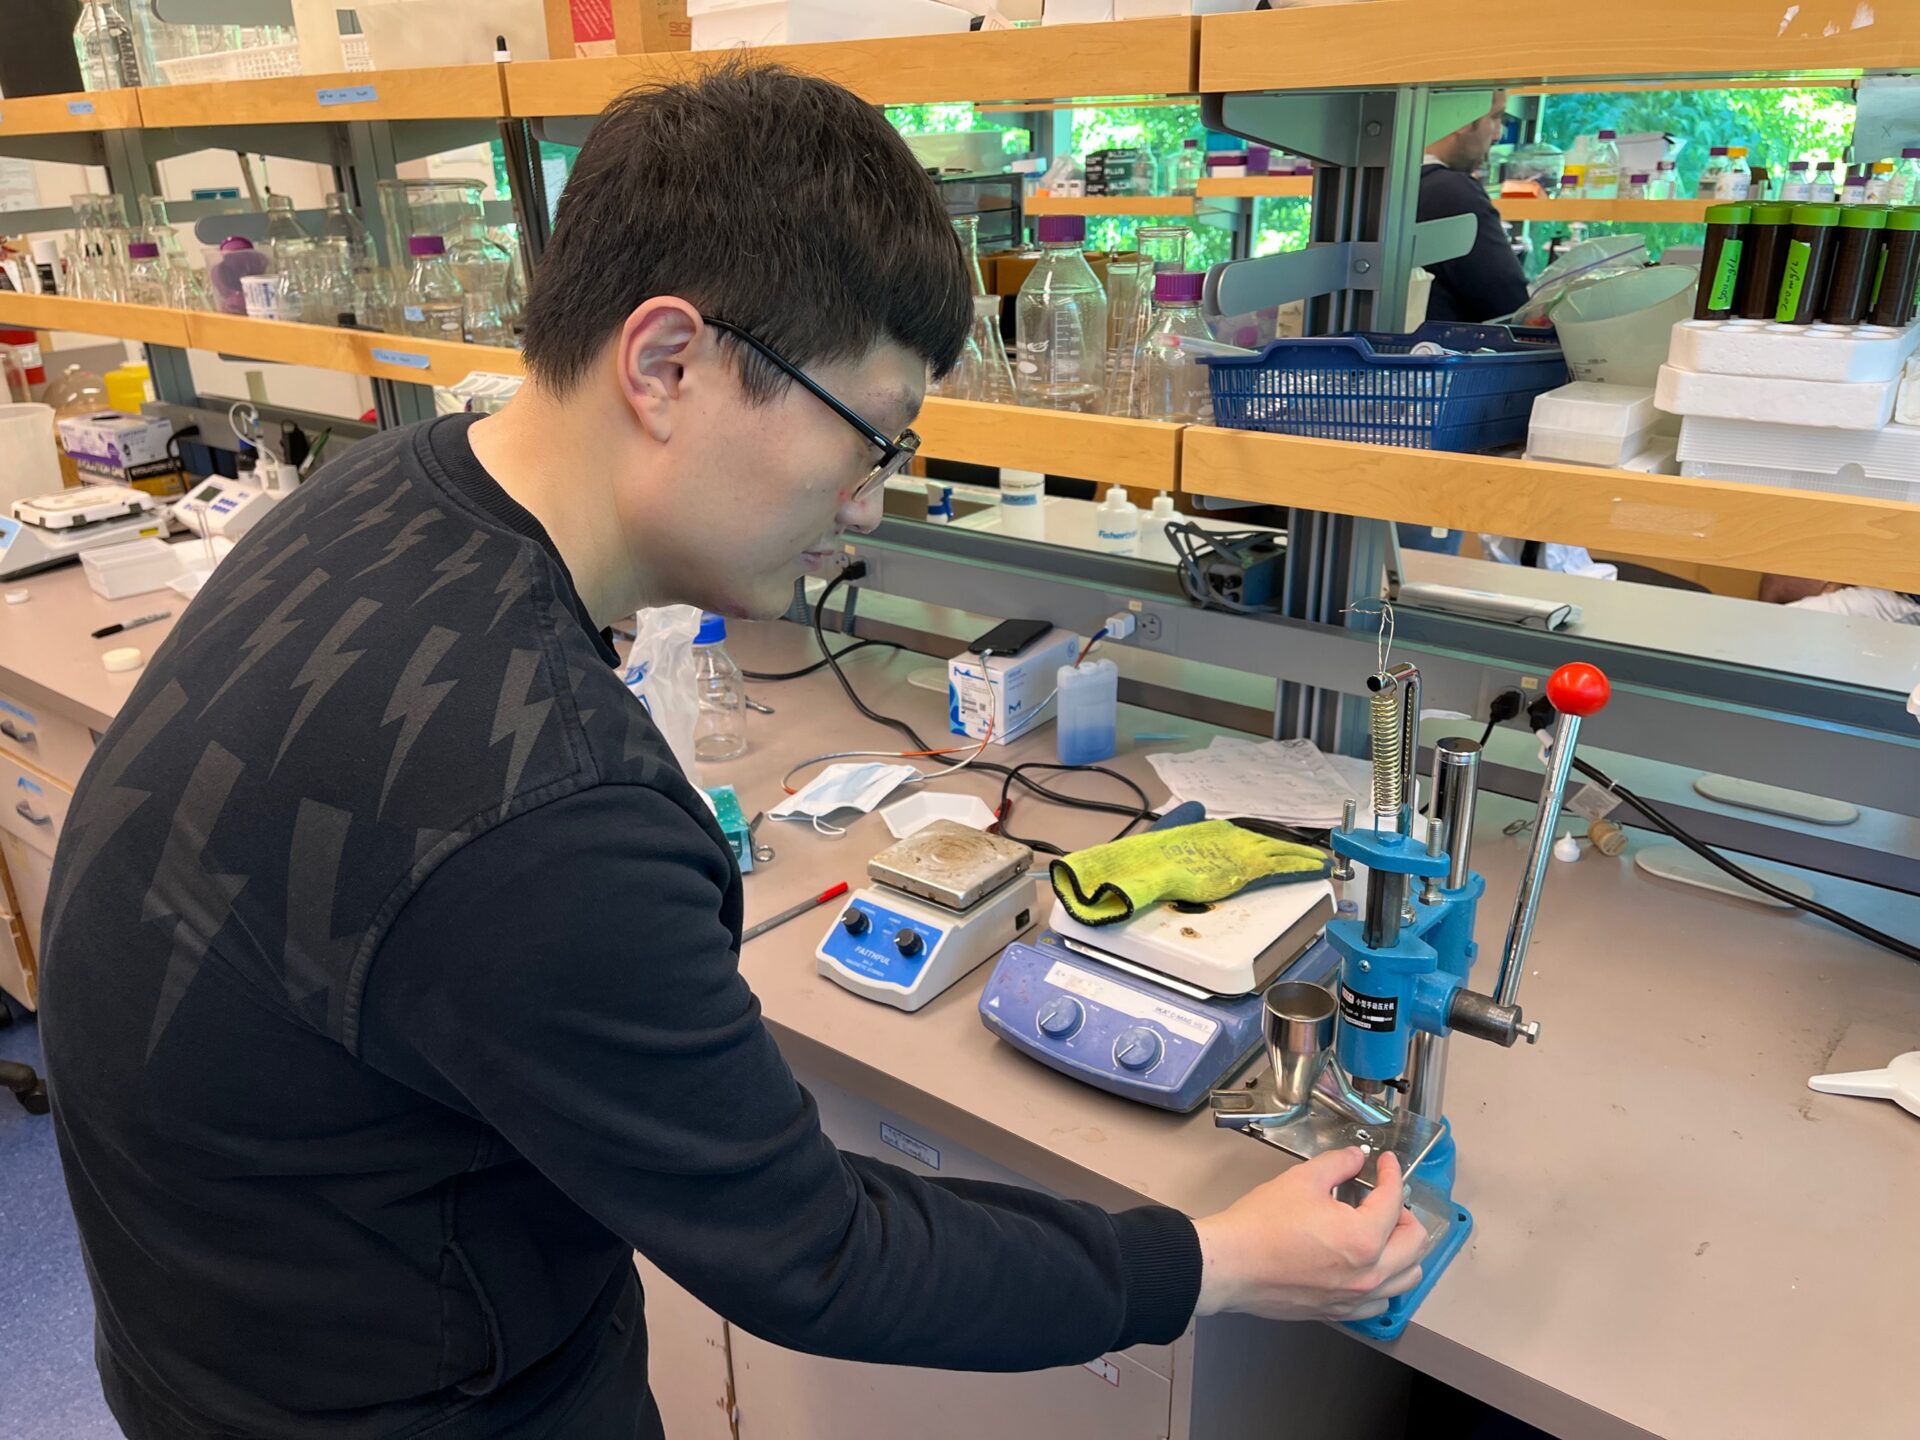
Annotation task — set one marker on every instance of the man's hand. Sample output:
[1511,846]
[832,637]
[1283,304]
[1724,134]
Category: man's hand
[1290,1251]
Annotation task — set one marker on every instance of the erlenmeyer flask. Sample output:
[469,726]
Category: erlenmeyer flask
[967,228]
[995,384]
[1128,281]
[156,227]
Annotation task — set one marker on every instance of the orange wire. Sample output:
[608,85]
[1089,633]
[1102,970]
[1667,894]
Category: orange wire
[980,749]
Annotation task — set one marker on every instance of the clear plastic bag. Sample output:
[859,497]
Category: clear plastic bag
[660,673]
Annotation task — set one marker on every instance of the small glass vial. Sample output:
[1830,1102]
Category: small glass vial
[1636,187]
[1825,189]
[1666,182]
[1880,183]
[1797,188]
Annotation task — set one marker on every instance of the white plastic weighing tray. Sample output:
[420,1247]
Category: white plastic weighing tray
[116,571]
[1587,423]
[1836,354]
[1820,405]
[1883,464]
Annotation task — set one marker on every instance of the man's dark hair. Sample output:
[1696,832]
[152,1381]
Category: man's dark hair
[773,200]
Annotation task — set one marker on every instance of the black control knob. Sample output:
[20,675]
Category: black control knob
[908,942]
[855,921]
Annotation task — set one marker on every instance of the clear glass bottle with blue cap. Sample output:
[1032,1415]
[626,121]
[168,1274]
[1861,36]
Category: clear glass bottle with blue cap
[721,731]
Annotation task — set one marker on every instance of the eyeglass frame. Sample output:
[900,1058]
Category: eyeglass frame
[895,454]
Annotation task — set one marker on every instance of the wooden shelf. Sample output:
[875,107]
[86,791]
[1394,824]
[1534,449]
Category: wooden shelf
[457,92]
[150,323]
[1408,42]
[1132,57]
[1172,207]
[358,352]
[1664,517]
[1257,187]
[1143,454]
[1651,212]
[66,114]
[1137,453]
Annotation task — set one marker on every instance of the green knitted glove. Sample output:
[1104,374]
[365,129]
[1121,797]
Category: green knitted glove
[1203,862]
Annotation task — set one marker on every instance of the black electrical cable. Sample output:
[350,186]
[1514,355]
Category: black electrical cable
[1012,774]
[1746,877]
[1541,714]
[767,677]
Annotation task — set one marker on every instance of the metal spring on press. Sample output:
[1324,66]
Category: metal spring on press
[1383,723]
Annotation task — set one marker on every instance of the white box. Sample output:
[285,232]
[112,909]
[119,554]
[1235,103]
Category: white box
[117,571]
[1588,423]
[1075,12]
[724,24]
[1012,689]
[121,449]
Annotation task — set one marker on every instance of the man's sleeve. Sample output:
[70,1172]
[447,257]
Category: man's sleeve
[568,978]
[1487,280]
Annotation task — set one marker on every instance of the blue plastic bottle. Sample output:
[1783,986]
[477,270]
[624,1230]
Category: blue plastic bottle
[1089,701]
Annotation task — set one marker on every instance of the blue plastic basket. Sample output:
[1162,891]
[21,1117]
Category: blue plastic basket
[1372,388]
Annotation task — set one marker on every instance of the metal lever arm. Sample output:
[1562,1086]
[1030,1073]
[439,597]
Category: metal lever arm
[1576,691]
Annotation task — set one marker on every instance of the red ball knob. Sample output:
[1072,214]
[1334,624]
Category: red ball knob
[1578,689]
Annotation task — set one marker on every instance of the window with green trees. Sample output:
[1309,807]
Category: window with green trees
[1278,224]
[1776,126]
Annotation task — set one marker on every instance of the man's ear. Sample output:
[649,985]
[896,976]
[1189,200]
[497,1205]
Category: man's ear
[655,344]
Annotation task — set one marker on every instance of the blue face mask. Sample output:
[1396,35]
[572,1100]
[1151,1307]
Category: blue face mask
[843,787]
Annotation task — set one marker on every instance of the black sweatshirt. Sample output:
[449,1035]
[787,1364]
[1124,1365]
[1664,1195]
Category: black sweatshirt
[1485,282]
[392,1000]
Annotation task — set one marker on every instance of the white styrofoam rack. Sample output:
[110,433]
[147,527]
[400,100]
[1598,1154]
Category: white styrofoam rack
[1906,409]
[1836,354]
[1882,464]
[1820,404]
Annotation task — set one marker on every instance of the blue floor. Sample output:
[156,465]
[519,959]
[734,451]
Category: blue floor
[48,1387]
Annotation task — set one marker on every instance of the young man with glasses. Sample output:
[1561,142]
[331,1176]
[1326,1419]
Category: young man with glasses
[391,989]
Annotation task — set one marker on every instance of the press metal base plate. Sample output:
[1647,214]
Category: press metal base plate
[1309,1130]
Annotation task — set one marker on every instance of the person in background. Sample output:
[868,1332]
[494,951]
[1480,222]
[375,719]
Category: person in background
[1865,601]
[1486,282]
[1480,285]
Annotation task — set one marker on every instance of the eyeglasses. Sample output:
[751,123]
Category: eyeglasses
[895,454]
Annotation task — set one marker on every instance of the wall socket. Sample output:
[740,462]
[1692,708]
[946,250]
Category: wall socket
[1147,625]
[1492,682]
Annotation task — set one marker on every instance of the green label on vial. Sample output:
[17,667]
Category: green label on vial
[1799,256]
[1879,274]
[1724,275]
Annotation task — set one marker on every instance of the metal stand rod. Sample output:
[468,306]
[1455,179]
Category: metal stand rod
[1456,788]
[1427,1075]
[1526,902]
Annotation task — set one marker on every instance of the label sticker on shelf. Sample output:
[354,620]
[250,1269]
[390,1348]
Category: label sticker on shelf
[413,360]
[80,107]
[348,95]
